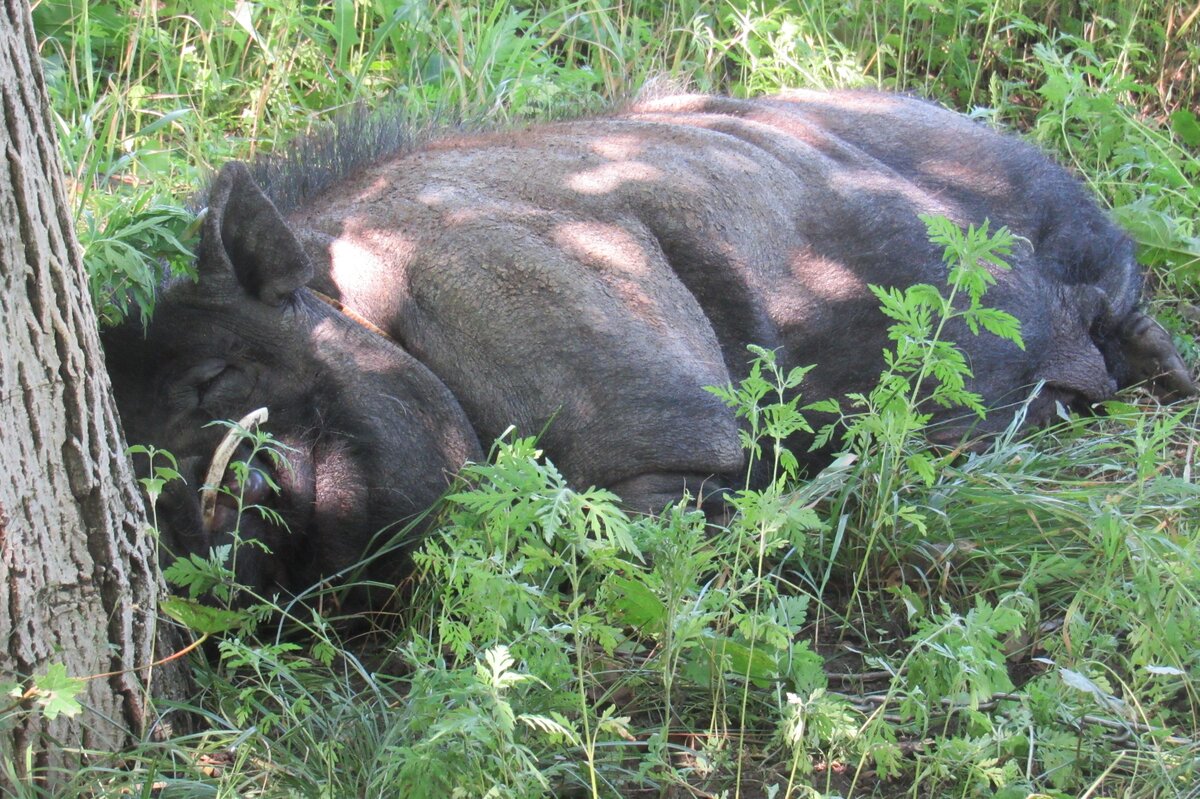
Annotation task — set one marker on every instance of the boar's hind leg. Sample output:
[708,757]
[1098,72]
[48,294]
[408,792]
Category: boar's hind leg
[651,493]
[1150,357]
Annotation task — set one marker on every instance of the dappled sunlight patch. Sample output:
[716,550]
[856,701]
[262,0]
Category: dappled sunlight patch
[610,177]
[611,247]
[616,147]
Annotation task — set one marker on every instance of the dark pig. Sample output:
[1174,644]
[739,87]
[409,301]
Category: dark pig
[586,280]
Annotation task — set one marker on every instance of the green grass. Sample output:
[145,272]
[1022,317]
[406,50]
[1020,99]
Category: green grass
[1022,621]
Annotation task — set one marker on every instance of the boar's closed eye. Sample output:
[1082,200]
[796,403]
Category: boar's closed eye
[217,384]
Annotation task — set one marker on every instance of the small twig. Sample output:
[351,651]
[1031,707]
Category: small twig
[32,691]
[864,677]
[1128,727]
[175,656]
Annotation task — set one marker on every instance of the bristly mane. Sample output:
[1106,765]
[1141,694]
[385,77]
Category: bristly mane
[311,163]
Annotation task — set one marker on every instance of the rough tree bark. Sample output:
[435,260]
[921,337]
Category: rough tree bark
[78,578]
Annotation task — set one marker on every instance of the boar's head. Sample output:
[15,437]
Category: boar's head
[372,435]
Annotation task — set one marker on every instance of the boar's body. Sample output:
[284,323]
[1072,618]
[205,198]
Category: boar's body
[587,279]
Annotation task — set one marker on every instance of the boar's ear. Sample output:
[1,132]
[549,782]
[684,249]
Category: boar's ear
[245,236]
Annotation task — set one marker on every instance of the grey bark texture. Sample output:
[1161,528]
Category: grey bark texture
[78,576]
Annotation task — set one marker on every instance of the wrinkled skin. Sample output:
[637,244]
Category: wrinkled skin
[588,279]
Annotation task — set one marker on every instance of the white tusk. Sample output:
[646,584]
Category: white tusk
[220,461]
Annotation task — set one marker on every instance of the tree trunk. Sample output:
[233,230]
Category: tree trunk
[78,576]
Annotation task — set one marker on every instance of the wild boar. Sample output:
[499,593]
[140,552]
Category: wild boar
[586,280]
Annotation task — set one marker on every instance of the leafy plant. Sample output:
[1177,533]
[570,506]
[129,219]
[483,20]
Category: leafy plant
[54,693]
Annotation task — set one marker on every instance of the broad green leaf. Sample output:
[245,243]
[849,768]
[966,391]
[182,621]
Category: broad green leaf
[637,605]
[203,618]
[733,659]
[1186,127]
[56,691]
